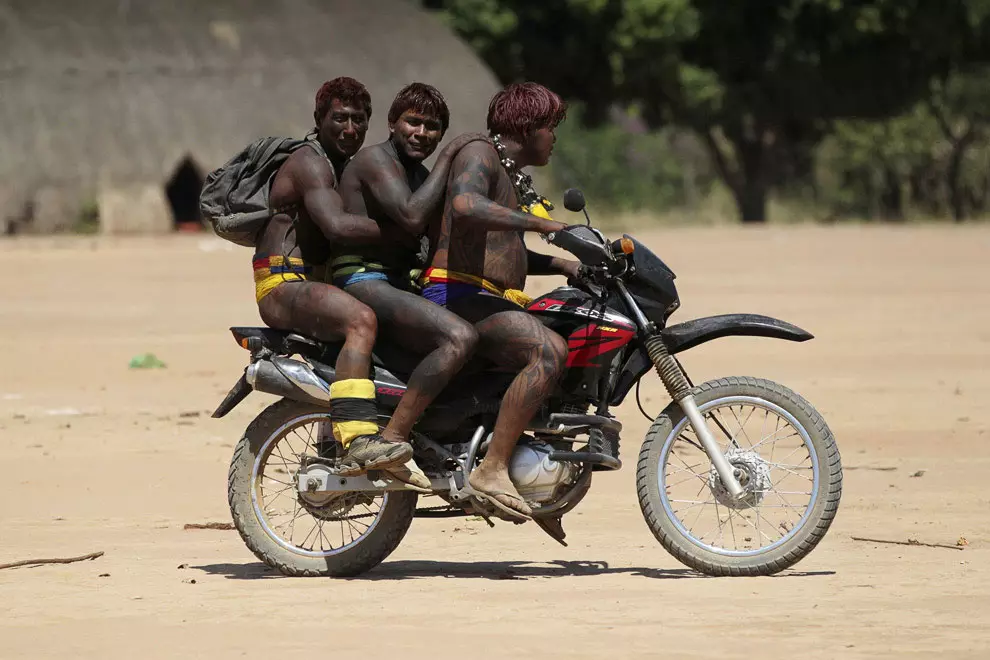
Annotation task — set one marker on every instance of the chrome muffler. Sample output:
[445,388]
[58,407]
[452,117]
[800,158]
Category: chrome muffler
[288,378]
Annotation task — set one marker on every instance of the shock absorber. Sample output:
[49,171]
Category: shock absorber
[670,372]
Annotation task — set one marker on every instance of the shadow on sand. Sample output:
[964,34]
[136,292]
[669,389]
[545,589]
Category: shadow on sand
[489,570]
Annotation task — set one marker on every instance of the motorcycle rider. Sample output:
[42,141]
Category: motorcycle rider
[290,288]
[389,183]
[479,263]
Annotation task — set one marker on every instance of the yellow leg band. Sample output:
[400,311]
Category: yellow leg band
[353,388]
[347,431]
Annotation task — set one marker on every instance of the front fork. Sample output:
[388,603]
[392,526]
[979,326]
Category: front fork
[680,391]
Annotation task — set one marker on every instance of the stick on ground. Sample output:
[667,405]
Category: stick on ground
[908,542]
[66,560]
[209,525]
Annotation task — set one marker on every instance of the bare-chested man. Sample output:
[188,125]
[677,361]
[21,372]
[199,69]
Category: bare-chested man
[479,265]
[290,288]
[389,183]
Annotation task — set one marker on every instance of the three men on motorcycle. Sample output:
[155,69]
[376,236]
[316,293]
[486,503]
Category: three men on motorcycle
[368,231]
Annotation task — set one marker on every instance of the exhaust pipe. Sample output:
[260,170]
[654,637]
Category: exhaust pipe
[288,378]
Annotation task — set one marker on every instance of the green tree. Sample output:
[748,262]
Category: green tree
[960,103]
[759,81]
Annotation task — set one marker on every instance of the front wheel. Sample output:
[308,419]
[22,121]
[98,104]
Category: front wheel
[787,462]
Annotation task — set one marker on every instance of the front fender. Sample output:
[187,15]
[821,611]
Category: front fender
[689,334]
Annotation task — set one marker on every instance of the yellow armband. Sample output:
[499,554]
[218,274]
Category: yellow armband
[538,210]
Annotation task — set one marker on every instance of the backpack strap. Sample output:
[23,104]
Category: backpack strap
[269,152]
[312,139]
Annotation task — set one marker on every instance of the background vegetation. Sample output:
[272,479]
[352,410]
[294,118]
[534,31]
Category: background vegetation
[874,109]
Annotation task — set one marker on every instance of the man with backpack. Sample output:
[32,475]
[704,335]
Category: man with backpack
[389,183]
[292,248]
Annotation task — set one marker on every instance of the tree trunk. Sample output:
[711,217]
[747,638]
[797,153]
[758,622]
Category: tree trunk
[752,197]
[892,197]
[956,193]
[747,176]
[752,202]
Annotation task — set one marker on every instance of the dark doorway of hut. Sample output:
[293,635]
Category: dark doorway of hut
[183,190]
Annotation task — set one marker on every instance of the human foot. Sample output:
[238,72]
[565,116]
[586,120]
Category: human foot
[498,489]
[410,474]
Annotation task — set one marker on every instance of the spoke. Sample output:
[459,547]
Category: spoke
[793,466]
[280,491]
[299,511]
[718,517]
[778,467]
[351,524]
[776,430]
[758,518]
[763,427]
[750,523]
[292,524]
[742,425]
[306,538]
[765,440]
[721,424]
[696,519]
[794,451]
[306,443]
[298,454]
[687,442]
[692,501]
[799,511]
[688,468]
[684,481]
[735,543]
[285,463]
[323,537]
[287,484]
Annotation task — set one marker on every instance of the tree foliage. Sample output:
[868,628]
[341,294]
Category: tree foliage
[760,82]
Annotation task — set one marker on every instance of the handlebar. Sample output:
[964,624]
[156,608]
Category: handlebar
[589,253]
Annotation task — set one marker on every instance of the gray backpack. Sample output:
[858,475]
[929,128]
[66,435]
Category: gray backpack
[235,195]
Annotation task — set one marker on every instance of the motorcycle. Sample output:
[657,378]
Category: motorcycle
[737,476]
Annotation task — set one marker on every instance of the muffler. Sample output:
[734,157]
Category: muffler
[288,378]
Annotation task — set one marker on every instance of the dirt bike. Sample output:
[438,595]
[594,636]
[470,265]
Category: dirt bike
[736,476]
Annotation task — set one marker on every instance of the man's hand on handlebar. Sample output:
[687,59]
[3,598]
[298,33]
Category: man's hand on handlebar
[570,268]
[550,226]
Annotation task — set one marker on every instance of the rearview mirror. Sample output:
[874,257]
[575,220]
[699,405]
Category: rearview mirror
[574,200]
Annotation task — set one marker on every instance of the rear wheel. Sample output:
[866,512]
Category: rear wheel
[303,534]
[785,457]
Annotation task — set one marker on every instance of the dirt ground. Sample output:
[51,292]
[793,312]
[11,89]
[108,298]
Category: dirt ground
[100,457]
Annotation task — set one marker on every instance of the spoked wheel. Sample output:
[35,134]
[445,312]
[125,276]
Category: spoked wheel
[784,457]
[311,534]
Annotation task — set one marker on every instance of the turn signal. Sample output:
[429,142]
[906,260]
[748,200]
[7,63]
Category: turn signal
[626,245]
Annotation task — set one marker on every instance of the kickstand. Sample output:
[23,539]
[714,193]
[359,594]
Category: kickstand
[481,513]
[553,528]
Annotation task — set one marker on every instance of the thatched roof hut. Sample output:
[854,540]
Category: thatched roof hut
[109,101]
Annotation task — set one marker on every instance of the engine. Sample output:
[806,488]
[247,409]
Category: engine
[538,478]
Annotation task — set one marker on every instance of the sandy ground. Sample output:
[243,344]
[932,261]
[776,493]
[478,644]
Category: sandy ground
[100,457]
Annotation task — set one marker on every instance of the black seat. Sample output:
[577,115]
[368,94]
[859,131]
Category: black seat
[386,355]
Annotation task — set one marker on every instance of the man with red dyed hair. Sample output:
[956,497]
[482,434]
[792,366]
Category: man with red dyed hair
[297,241]
[479,264]
[389,183]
